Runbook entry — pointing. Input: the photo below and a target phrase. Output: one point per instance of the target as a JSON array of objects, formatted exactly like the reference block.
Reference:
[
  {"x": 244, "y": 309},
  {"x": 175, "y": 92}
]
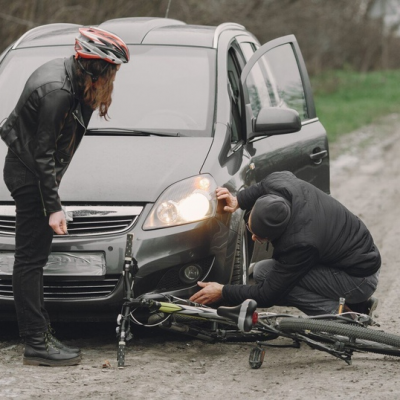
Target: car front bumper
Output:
[{"x": 161, "y": 254}]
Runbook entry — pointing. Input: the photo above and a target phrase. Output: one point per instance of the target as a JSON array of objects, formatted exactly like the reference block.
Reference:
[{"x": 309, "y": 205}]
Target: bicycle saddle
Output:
[{"x": 242, "y": 314}]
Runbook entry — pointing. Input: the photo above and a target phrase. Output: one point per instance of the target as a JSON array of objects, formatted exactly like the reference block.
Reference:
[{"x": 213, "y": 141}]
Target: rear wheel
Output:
[
  {"x": 240, "y": 275},
  {"x": 351, "y": 337}
]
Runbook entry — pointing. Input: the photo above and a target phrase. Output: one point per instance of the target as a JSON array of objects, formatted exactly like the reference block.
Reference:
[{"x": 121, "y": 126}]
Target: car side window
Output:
[
  {"x": 275, "y": 81},
  {"x": 234, "y": 88}
]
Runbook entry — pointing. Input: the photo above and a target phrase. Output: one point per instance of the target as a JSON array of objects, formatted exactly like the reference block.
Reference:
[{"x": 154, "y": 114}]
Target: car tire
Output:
[{"x": 240, "y": 274}]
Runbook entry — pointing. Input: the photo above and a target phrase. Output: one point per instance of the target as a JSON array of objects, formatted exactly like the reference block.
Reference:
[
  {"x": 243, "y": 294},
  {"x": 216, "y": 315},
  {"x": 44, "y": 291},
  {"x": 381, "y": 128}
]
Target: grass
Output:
[{"x": 347, "y": 100}]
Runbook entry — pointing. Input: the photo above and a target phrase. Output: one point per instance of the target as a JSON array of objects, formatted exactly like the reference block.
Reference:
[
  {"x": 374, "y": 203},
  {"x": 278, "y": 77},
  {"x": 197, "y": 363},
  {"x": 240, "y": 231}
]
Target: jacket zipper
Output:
[
  {"x": 82, "y": 125},
  {"x": 84, "y": 131},
  {"x": 41, "y": 197}
]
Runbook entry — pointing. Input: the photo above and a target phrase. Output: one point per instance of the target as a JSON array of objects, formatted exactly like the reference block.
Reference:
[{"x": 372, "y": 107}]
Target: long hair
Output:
[{"x": 96, "y": 94}]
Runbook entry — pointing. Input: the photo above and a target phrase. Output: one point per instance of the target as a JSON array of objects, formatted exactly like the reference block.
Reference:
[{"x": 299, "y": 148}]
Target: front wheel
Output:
[
  {"x": 352, "y": 337},
  {"x": 240, "y": 275}
]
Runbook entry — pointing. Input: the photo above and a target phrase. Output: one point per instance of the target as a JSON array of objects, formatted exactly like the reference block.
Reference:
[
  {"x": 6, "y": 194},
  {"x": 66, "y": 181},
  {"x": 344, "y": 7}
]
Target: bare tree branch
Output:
[
  {"x": 332, "y": 33},
  {"x": 17, "y": 20}
]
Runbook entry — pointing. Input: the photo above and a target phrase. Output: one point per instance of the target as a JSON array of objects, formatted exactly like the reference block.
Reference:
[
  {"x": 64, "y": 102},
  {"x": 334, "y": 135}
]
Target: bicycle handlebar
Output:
[{"x": 242, "y": 315}]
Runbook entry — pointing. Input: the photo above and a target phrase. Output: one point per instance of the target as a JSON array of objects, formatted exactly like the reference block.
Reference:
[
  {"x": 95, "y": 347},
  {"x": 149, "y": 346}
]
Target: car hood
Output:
[{"x": 127, "y": 168}]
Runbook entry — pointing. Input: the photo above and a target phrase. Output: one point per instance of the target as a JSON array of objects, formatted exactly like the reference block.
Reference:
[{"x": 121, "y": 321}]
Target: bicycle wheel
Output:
[{"x": 353, "y": 337}]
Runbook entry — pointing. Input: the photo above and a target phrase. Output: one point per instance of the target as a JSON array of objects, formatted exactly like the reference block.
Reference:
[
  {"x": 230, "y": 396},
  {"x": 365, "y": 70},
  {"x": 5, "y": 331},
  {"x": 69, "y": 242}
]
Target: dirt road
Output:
[{"x": 365, "y": 177}]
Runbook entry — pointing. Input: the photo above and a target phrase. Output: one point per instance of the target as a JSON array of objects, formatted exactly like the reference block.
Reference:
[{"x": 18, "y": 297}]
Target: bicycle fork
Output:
[{"x": 123, "y": 329}]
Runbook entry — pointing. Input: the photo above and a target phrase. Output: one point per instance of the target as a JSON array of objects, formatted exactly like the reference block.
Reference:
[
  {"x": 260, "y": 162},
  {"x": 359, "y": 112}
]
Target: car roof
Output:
[{"x": 139, "y": 30}]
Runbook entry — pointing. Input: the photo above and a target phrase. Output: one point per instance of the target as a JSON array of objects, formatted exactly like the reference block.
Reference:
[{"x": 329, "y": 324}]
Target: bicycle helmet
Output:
[{"x": 96, "y": 43}]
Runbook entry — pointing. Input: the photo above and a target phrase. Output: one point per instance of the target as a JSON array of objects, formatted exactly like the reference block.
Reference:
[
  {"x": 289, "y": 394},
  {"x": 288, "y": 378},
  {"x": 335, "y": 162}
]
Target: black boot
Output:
[
  {"x": 39, "y": 350},
  {"x": 366, "y": 307},
  {"x": 59, "y": 345}
]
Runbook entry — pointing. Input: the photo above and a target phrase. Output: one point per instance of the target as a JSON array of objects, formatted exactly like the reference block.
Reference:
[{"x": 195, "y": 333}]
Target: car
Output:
[{"x": 196, "y": 108}]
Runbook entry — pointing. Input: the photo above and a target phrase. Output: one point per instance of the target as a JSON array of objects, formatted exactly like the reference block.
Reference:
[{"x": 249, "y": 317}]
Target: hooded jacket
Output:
[
  {"x": 47, "y": 125},
  {"x": 321, "y": 231}
]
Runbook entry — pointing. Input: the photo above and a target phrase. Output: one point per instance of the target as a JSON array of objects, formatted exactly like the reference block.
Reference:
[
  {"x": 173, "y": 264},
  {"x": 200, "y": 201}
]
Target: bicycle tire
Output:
[
  {"x": 360, "y": 338},
  {"x": 240, "y": 273}
]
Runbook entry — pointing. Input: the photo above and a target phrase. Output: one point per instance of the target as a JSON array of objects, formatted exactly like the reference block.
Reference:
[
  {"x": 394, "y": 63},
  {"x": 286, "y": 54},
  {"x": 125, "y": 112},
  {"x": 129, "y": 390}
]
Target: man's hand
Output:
[
  {"x": 211, "y": 292},
  {"x": 58, "y": 223},
  {"x": 231, "y": 202}
]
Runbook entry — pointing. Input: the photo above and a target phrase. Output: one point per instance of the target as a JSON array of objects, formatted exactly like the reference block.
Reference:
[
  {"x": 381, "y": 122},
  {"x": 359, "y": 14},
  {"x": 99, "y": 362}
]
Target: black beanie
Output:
[{"x": 270, "y": 216}]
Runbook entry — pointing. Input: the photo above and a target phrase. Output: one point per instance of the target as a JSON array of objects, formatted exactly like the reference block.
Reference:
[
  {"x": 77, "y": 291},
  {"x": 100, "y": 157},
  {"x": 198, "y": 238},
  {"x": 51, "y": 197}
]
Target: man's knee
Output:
[{"x": 261, "y": 269}]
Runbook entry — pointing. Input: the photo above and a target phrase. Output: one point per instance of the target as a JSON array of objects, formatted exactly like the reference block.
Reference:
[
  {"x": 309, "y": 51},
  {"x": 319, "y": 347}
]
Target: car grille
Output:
[
  {"x": 69, "y": 289},
  {"x": 83, "y": 220}
]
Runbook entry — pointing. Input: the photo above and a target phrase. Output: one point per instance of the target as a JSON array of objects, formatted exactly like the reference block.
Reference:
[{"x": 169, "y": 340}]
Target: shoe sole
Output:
[
  {"x": 51, "y": 363},
  {"x": 374, "y": 305}
]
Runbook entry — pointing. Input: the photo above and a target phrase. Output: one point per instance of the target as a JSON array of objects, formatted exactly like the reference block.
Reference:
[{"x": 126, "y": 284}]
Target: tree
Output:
[{"x": 332, "y": 33}]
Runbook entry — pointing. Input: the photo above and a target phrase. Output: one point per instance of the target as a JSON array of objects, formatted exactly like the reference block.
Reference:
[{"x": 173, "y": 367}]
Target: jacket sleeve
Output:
[
  {"x": 52, "y": 112},
  {"x": 285, "y": 273},
  {"x": 247, "y": 197},
  {"x": 275, "y": 183}
]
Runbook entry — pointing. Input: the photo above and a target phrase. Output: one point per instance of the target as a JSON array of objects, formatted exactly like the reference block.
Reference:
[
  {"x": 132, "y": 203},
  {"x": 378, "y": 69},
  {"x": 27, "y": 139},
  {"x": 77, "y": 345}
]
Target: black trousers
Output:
[
  {"x": 318, "y": 292},
  {"x": 32, "y": 247},
  {"x": 33, "y": 239}
]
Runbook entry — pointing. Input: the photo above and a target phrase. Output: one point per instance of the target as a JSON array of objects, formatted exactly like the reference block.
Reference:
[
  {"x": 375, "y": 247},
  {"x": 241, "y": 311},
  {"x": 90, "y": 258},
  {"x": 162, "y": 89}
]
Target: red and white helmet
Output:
[{"x": 96, "y": 43}]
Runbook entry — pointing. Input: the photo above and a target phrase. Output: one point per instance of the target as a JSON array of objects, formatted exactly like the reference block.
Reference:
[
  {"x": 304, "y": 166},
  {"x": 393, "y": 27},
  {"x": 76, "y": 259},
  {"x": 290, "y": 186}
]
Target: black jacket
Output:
[
  {"x": 47, "y": 125},
  {"x": 321, "y": 231}
]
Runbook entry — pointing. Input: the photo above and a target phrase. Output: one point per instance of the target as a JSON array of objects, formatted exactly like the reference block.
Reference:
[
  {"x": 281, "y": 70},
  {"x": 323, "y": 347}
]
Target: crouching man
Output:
[{"x": 321, "y": 250}]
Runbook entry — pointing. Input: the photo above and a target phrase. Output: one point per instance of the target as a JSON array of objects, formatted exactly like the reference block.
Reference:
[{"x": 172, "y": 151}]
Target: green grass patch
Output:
[{"x": 347, "y": 100}]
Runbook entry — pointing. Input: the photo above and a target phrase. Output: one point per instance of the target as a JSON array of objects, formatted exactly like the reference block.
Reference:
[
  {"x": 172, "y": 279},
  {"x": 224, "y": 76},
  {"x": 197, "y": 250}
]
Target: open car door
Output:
[{"x": 274, "y": 79}]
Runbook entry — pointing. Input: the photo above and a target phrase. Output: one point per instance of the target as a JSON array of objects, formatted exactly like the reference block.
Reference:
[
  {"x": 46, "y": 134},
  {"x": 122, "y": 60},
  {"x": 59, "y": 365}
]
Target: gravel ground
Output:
[{"x": 365, "y": 177}]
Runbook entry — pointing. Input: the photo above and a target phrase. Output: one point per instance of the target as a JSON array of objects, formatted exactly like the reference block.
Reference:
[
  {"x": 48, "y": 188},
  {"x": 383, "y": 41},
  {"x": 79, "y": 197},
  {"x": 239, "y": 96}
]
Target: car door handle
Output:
[{"x": 317, "y": 157}]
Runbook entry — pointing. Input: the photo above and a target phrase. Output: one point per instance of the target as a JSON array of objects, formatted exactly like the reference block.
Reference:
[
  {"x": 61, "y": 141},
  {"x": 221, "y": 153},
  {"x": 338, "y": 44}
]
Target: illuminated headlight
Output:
[
  {"x": 190, "y": 273},
  {"x": 167, "y": 212},
  {"x": 186, "y": 201}
]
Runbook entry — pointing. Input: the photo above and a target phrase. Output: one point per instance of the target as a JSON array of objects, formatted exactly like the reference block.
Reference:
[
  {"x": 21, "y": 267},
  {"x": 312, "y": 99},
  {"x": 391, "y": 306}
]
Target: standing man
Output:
[
  {"x": 42, "y": 134},
  {"x": 321, "y": 250}
]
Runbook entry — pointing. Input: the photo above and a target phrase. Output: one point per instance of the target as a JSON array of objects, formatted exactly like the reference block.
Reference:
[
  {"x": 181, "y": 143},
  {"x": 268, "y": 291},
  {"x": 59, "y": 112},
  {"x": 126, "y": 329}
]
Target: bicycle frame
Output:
[
  {"x": 338, "y": 335},
  {"x": 241, "y": 316},
  {"x": 257, "y": 354}
]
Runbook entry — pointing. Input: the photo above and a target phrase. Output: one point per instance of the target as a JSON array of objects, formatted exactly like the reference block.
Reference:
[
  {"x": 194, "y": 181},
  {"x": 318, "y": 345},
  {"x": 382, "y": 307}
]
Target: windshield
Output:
[{"x": 162, "y": 89}]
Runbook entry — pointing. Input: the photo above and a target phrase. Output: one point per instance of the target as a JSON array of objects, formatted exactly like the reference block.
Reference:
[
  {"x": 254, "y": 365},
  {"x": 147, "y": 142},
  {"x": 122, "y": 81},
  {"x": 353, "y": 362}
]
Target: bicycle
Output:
[{"x": 340, "y": 334}]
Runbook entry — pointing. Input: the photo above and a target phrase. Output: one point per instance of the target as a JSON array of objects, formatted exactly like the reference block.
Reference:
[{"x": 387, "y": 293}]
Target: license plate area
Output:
[{"x": 63, "y": 264}]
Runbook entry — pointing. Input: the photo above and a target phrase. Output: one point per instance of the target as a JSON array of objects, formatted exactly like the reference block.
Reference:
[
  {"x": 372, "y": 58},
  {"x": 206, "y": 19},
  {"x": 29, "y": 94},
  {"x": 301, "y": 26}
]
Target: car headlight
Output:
[{"x": 190, "y": 200}]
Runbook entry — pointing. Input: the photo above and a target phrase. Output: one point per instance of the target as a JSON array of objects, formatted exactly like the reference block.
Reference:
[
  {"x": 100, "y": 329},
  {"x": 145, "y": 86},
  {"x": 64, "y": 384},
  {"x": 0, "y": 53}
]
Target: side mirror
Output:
[{"x": 275, "y": 121}]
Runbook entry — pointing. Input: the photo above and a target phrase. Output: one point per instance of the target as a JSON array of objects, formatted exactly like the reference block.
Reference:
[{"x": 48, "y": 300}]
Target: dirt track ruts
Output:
[{"x": 365, "y": 177}]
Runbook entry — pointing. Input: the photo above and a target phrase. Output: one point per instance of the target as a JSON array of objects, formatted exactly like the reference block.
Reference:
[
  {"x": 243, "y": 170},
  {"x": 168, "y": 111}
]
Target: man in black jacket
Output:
[
  {"x": 321, "y": 250},
  {"x": 42, "y": 134}
]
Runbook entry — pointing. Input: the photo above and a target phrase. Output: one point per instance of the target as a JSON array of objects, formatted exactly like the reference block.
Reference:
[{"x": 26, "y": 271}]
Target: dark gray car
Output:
[{"x": 196, "y": 108}]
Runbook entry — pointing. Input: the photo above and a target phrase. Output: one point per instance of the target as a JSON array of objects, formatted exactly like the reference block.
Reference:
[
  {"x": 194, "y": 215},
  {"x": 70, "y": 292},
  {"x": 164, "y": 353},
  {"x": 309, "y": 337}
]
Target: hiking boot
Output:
[
  {"x": 366, "y": 307},
  {"x": 58, "y": 344},
  {"x": 371, "y": 305},
  {"x": 39, "y": 350}
]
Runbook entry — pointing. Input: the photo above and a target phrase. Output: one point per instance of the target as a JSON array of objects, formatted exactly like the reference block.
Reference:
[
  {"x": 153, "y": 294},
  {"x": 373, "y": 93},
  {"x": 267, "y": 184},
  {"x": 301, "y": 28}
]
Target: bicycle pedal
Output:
[
  {"x": 366, "y": 320},
  {"x": 256, "y": 357}
]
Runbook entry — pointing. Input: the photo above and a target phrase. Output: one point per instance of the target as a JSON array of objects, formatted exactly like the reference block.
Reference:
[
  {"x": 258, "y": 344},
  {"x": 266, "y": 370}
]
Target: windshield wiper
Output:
[{"x": 130, "y": 132}]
